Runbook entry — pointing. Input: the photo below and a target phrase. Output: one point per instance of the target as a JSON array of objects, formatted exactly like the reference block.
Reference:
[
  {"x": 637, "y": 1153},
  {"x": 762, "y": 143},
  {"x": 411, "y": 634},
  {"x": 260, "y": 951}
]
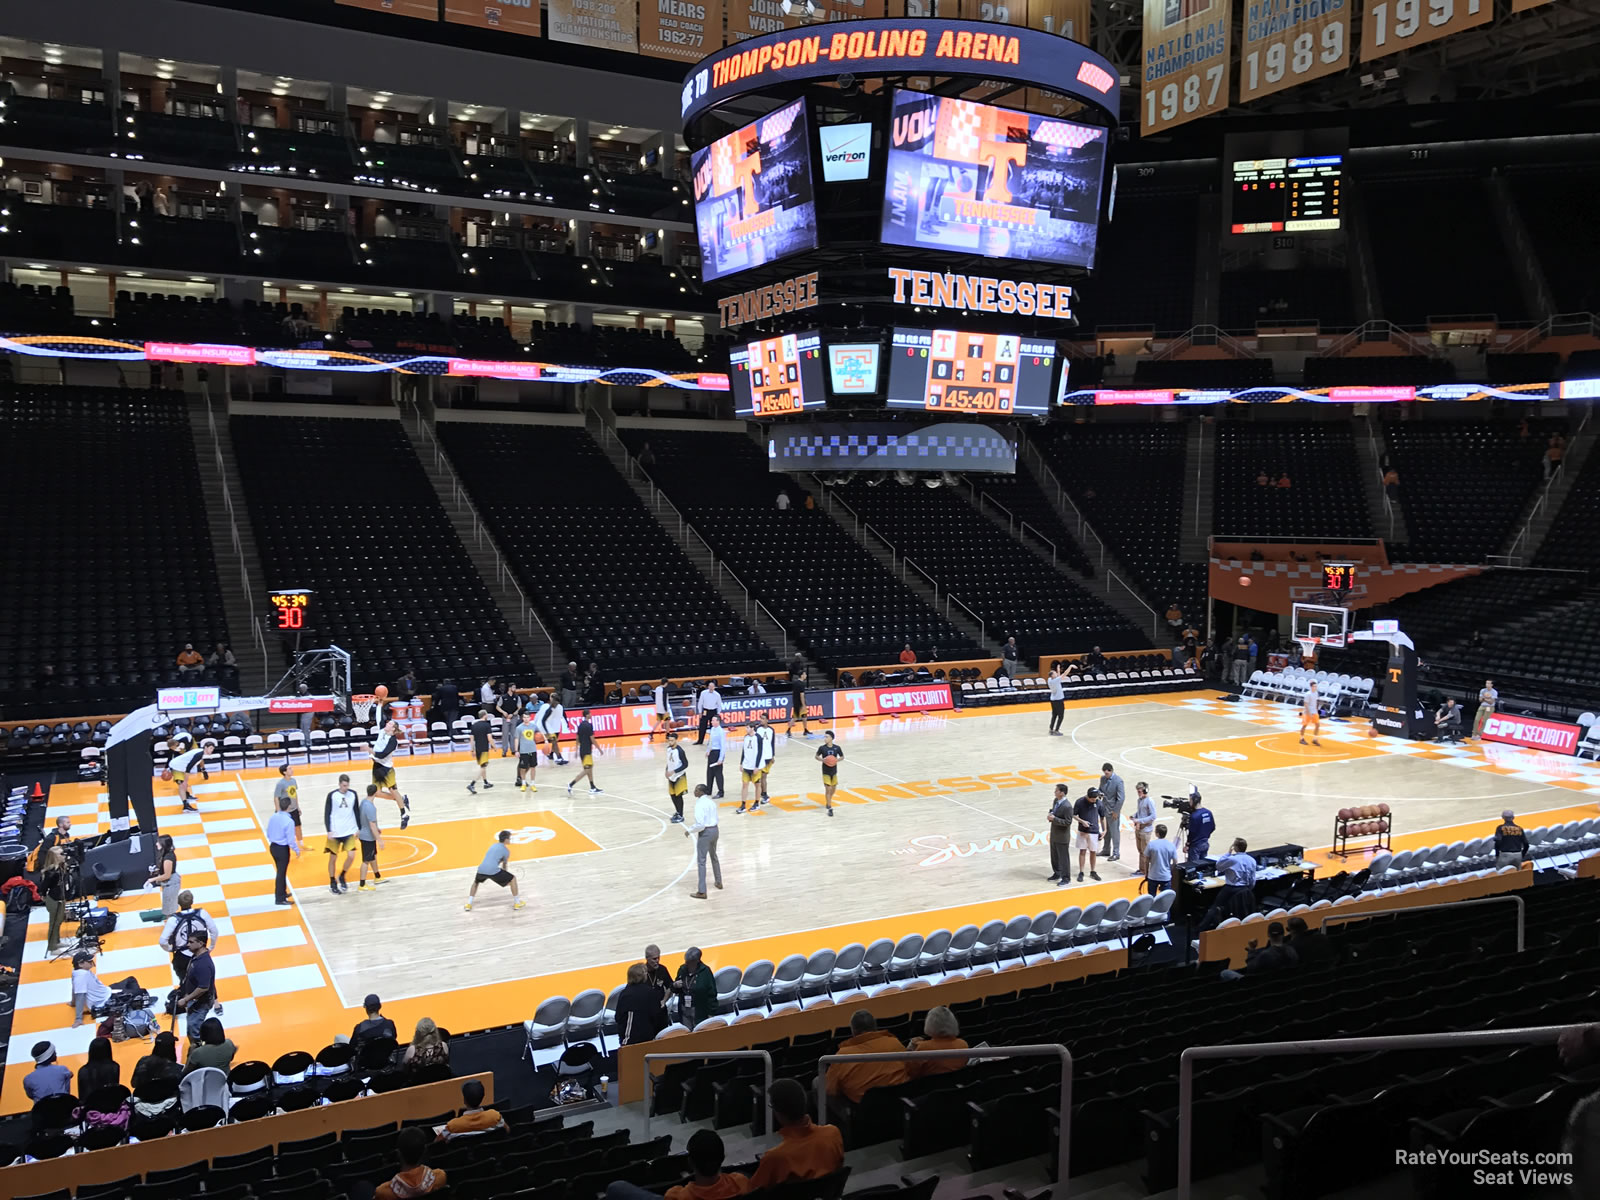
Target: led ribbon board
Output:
[{"x": 901, "y": 46}]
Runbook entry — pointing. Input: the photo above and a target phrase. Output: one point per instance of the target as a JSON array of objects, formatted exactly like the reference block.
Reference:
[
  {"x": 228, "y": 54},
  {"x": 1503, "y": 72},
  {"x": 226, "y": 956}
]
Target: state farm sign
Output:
[{"x": 1534, "y": 732}]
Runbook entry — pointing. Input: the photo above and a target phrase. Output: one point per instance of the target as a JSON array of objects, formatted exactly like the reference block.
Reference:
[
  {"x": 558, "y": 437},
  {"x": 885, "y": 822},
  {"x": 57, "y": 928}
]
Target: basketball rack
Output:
[{"x": 307, "y": 663}]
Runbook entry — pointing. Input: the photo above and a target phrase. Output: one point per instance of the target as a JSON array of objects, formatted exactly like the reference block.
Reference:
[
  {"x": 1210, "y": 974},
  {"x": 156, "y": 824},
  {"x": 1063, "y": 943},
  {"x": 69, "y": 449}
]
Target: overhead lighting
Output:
[
  {"x": 403, "y": 295},
  {"x": 306, "y": 287},
  {"x": 348, "y": 291},
  {"x": 38, "y": 267},
  {"x": 86, "y": 270},
  {"x": 198, "y": 279},
  {"x": 134, "y": 274}
]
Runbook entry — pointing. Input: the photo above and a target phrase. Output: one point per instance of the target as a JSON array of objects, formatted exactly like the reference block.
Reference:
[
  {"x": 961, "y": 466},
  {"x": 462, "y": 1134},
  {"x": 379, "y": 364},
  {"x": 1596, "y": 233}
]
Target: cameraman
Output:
[{"x": 1199, "y": 825}]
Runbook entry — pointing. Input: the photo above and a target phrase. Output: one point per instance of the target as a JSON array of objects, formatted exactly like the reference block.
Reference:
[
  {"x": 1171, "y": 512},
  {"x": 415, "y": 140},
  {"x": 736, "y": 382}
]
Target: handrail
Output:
[
  {"x": 1377, "y": 458},
  {"x": 949, "y": 600},
  {"x": 1025, "y": 527},
  {"x": 1522, "y": 913},
  {"x": 831, "y": 496},
  {"x": 1525, "y": 534},
  {"x": 1466, "y": 1039},
  {"x": 1052, "y": 1050},
  {"x": 256, "y": 636},
  {"x": 503, "y": 573},
  {"x": 1064, "y": 502},
  {"x": 984, "y": 497},
  {"x": 762, "y": 608},
  {"x": 644, "y": 1080},
  {"x": 1155, "y": 617},
  {"x": 933, "y": 583},
  {"x": 894, "y": 555}
]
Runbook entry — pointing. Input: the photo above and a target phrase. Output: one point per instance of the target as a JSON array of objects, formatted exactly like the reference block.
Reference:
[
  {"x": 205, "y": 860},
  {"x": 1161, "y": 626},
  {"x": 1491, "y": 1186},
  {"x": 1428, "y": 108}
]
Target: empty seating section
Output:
[
  {"x": 614, "y": 587},
  {"x": 1463, "y": 485},
  {"x": 1252, "y": 298},
  {"x": 107, "y": 553},
  {"x": 1557, "y": 642},
  {"x": 1025, "y": 501},
  {"x": 1218, "y": 373},
  {"x": 1408, "y": 370},
  {"x": 1009, "y": 587},
  {"x": 1573, "y": 540},
  {"x": 1128, "y": 481},
  {"x": 1154, "y": 237},
  {"x": 839, "y": 603},
  {"x": 1560, "y": 208},
  {"x": 1421, "y": 274},
  {"x": 342, "y": 507},
  {"x": 1449, "y": 614},
  {"x": 1324, "y": 498}
]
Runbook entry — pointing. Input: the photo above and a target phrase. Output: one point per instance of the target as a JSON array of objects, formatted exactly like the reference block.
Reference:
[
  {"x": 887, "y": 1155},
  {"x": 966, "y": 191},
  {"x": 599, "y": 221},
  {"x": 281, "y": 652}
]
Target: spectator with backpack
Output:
[{"x": 175, "y": 933}]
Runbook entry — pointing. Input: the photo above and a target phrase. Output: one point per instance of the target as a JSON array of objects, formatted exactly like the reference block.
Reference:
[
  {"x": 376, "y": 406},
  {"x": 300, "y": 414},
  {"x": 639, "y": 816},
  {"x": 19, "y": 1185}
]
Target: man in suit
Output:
[
  {"x": 1060, "y": 818},
  {"x": 1111, "y": 797}
]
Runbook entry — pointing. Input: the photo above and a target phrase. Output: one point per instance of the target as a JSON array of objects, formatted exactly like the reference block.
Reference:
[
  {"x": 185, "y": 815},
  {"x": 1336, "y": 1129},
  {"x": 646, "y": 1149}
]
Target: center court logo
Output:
[
  {"x": 1223, "y": 756},
  {"x": 532, "y": 833},
  {"x": 939, "y": 849}
]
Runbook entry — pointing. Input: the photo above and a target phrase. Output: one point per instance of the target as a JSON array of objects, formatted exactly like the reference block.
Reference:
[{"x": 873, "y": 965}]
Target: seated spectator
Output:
[
  {"x": 1310, "y": 945},
  {"x": 222, "y": 658},
  {"x": 1276, "y": 955},
  {"x": 808, "y": 1150},
  {"x": 427, "y": 1046},
  {"x": 474, "y": 1118},
  {"x": 190, "y": 661},
  {"x": 376, "y": 1024},
  {"x": 1262, "y": 479},
  {"x": 941, "y": 1031},
  {"x": 413, "y": 1178},
  {"x": 48, "y": 1077},
  {"x": 161, "y": 1063},
  {"x": 1447, "y": 721},
  {"x": 1174, "y": 615},
  {"x": 214, "y": 1049},
  {"x": 710, "y": 1182},
  {"x": 89, "y": 994},
  {"x": 101, "y": 1070},
  {"x": 641, "y": 1011},
  {"x": 855, "y": 1080},
  {"x": 908, "y": 655},
  {"x": 1283, "y": 480}
]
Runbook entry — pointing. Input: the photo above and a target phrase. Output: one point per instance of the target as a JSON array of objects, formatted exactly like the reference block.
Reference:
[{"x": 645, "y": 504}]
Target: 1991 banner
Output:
[{"x": 1185, "y": 72}]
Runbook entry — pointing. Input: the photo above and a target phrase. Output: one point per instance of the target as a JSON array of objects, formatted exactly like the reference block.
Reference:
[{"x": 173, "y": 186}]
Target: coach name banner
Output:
[
  {"x": 791, "y": 295},
  {"x": 508, "y": 16},
  {"x": 1292, "y": 41},
  {"x": 1389, "y": 26},
  {"x": 1185, "y": 71},
  {"x": 982, "y": 293},
  {"x": 753, "y": 18},
  {"x": 607, "y": 24},
  {"x": 909, "y": 46},
  {"x": 680, "y": 29}
]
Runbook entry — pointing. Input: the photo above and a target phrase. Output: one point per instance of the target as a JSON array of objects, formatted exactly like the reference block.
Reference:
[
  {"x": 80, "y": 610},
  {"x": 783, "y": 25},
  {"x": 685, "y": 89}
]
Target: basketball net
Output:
[
  {"x": 1308, "y": 649},
  {"x": 361, "y": 706}
]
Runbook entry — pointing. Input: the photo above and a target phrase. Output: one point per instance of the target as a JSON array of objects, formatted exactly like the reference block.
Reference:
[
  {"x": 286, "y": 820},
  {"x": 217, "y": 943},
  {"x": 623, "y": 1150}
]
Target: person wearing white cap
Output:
[{"x": 48, "y": 1077}]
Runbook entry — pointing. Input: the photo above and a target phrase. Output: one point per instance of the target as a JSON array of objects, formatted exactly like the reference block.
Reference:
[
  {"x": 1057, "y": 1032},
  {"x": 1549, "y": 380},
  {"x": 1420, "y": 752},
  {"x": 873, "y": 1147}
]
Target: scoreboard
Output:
[
  {"x": 965, "y": 371},
  {"x": 1287, "y": 195},
  {"x": 290, "y": 609},
  {"x": 1339, "y": 576}
]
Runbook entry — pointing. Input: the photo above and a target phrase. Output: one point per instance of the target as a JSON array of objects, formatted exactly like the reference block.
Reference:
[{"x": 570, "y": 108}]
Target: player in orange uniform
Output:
[{"x": 1311, "y": 715}]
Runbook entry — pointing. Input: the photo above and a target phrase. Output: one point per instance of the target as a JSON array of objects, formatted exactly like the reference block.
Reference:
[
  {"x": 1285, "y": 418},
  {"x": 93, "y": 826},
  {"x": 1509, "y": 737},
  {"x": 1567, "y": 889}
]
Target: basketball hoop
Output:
[
  {"x": 1309, "y": 647},
  {"x": 361, "y": 706}
]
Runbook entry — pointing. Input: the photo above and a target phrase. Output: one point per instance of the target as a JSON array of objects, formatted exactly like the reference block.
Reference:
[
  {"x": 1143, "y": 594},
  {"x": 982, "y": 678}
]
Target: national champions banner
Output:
[
  {"x": 1184, "y": 75},
  {"x": 1292, "y": 41},
  {"x": 606, "y": 24}
]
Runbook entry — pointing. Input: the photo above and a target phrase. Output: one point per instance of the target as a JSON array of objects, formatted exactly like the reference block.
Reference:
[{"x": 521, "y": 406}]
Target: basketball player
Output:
[
  {"x": 829, "y": 754},
  {"x": 797, "y": 697},
  {"x": 493, "y": 868},
  {"x": 552, "y": 723},
  {"x": 480, "y": 751},
  {"x": 1310, "y": 715},
  {"x": 677, "y": 775},
  {"x": 287, "y": 789},
  {"x": 371, "y": 839},
  {"x": 383, "y": 773},
  {"x": 585, "y": 754},
  {"x": 186, "y": 764},
  {"x": 527, "y": 752},
  {"x": 663, "y": 710},
  {"x": 749, "y": 767},
  {"x": 341, "y": 817},
  {"x": 769, "y": 752}
]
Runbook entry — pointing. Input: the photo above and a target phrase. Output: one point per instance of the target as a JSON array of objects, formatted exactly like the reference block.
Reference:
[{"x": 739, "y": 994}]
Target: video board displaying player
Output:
[
  {"x": 985, "y": 180},
  {"x": 950, "y": 370},
  {"x": 752, "y": 194},
  {"x": 776, "y": 376}
]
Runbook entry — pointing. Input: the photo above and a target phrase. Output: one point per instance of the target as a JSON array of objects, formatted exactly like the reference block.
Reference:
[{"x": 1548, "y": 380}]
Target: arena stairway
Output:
[
  {"x": 1538, "y": 518},
  {"x": 1391, "y": 524},
  {"x": 1199, "y": 493}
]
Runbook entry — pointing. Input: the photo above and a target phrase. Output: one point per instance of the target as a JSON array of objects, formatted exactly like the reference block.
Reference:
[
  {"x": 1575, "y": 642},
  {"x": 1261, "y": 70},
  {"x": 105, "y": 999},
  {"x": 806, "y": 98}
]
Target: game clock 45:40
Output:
[{"x": 291, "y": 608}]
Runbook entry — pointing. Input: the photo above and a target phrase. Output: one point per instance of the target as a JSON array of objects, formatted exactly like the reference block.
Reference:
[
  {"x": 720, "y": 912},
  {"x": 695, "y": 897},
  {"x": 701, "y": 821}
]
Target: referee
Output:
[
  {"x": 708, "y": 704},
  {"x": 715, "y": 757}
]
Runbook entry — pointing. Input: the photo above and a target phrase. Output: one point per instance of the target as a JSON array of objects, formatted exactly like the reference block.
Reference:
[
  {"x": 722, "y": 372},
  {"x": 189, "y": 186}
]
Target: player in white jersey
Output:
[
  {"x": 552, "y": 723},
  {"x": 769, "y": 752},
  {"x": 1311, "y": 715},
  {"x": 383, "y": 773},
  {"x": 190, "y": 762},
  {"x": 749, "y": 767}
]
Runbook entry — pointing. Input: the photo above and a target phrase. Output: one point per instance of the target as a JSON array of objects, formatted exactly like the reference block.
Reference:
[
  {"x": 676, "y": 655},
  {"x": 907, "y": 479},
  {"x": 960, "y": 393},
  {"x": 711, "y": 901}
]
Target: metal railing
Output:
[
  {"x": 1024, "y": 528},
  {"x": 949, "y": 600},
  {"x": 1203, "y": 335},
  {"x": 1091, "y": 540},
  {"x": 258, "y": 638},
  {"x": 1465, "y": 1040},
  {"x": 1377, "y": 458},
  {"x": 1522, "y": 913},
  {"x": 906, "y": 562},
  {"x": 1057, "y": 1051},
  {"x": 1155, "y": 618},
  {"x": 503, "y": 574},
  {"x": 1512, "y": 557},
  {"x": 766, "y": 1061}
]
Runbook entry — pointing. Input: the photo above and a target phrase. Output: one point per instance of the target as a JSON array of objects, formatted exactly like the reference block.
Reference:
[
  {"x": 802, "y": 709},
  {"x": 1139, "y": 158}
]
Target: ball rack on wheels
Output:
[{"x": 1360, "y": 823}]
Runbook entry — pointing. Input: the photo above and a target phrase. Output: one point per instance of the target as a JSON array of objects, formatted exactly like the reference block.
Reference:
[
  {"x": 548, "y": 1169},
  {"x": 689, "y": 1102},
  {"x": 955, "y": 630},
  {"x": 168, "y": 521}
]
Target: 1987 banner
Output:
[{"x": 1185, "y": 70}]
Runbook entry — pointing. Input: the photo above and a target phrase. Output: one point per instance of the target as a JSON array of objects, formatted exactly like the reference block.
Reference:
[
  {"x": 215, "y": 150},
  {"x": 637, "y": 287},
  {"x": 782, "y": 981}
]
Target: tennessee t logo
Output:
[
  {"x": 745, "y": 171},
  {"x": 1394, "y": 674},
  {"x": 995, "y": 155}
]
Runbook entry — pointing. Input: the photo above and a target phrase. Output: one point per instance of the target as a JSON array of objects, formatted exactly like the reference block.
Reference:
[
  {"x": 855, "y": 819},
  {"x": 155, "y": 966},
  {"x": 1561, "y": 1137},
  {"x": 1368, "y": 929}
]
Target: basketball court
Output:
[{"x": 940, "y": 822}]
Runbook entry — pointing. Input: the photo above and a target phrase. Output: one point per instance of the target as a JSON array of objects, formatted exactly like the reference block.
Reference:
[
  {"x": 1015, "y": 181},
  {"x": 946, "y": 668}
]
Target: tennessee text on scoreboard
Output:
[
  {"x": 1389, "y": 26},
  {"x": 1292, "y": 41},
  {"x": 791, "y": 295},
  {"x": 981, "y": 293},
  {"x": 1185, "y": 69}
]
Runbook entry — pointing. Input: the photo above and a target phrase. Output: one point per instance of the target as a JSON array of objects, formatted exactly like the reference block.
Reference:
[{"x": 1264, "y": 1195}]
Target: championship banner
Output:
[
  {"x": 606, "y": 24},
  {"x": 508, "y": 16},
  {"x": 423, "y": 10},
  {"x": 1288, "y": 42},
  {"x": 1186, "y": 59},
  {"x": 752, "y": 18},
  {"x": 1064, "y": 18},
  {"x": 685, "y": 30},
  {"x": 1390, "y": 26}
]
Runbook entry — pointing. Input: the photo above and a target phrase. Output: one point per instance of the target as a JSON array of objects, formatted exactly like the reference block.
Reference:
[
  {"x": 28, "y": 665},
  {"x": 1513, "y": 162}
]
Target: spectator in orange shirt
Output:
[
  {"x": 474, "y": 1118},
  {"x": 710, "y": 1182},
  {"x": 190, "y": 660},
  {"x": 855, "y": 1080},
  {"x": 808, "y": 1150},
  {"x": 1283, "y": 480},
  {"x": 908, "y": 655},
  {"x": 413, "y": 1178},
  {"x": 941, "y": 1031}
]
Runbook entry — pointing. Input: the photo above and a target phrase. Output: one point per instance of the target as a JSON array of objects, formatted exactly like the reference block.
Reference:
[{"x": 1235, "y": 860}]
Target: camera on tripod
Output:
[{"x": 1184, "y": 806}]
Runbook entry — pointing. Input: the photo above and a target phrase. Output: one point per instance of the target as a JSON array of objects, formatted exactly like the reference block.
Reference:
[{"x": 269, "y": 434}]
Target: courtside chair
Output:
[
  {"x": 787, "y": 980},
  {"x": 905, "y": 955},
  {"x": 1114, "y": 921},
  {"x": 204, "y": 1086},
  {"x": 818, "y": 975},
  {"x": 1065, "y": 925},
  {"x": 875, "y": 966},
  {"x": 290, "y": 1069},
  {"x": 1089, "y": 924},
  {"x": 1138, "y": 910},
  {"x": 755, "y": 986},
  {"x": 847, "y": 967},
  {"x": 987, "y": 948},
  {"x": 609, "y": 1023},
  {"x": 727, "y": 980},
  {"x": 586, "y": 1018},
  {"x": 1380, "y": 864},
  {"x": 247, "y": 1078},
  {"x": 1161, "y": 909},
  {"x": 958, "y": 954},
  {"x": 549, "y": 1023},
  {"x": 1037, "y": 939},
  {"x": 934, "y": 948}
]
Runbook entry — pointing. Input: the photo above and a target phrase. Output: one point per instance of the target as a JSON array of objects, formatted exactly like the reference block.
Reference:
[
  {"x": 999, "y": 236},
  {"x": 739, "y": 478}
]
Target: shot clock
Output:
[
  {"x": 290, "y": 609},
  {"x": 1338, "y": 577}
]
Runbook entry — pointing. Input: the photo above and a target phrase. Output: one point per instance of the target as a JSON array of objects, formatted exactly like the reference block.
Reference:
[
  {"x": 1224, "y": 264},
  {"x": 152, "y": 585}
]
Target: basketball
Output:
[
  {"x": 830, "y": 760},
  {"x": 1244, "y": 581},
  {"x": 381, "y": 691}
]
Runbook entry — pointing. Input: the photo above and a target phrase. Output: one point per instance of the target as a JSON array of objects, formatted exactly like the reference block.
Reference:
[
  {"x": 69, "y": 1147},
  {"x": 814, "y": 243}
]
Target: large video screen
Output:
[
  {"x": 1286, "y": 195},
  {"x": 893, "y": 446},
  {"x": 949, "y": 370},
  {"x": 777, "y": 376},
  {"x": 984, "y": 180},
  {"x": 752, "y": 194}
]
